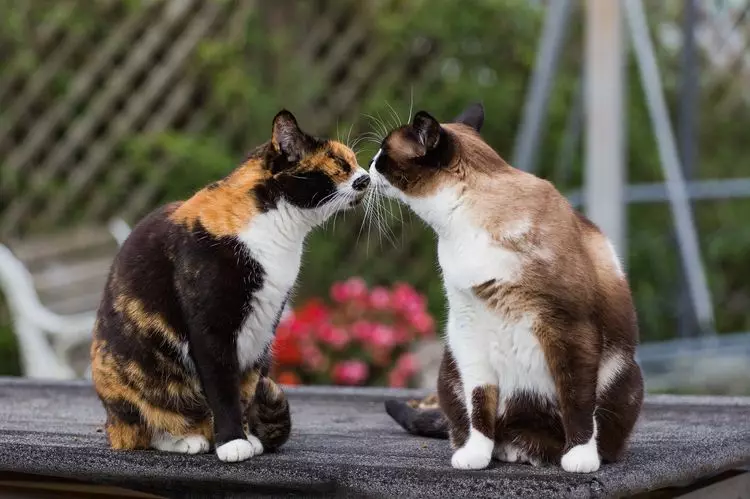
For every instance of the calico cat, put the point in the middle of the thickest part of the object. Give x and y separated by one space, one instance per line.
181 347
539 362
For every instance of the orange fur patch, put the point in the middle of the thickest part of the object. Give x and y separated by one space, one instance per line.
127 436
112 387
144 321
226 208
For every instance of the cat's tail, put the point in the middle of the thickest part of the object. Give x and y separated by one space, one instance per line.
419 417
268 416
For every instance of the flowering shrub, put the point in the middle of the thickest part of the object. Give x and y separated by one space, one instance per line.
360 337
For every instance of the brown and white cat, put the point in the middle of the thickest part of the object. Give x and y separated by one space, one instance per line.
541 336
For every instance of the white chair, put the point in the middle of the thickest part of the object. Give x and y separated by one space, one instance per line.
53 285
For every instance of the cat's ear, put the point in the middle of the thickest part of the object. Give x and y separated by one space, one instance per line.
427 129
287 138
472 116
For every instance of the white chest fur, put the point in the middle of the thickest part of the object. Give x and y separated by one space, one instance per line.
510 347
468 258
277 246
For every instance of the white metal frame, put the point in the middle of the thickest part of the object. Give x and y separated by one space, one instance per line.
44 337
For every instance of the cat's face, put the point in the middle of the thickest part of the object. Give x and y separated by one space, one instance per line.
296 176
417 160
311 173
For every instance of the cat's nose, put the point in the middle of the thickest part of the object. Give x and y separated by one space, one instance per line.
361 183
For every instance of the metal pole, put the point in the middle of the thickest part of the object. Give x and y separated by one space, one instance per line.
572 137
670 161
604 164
686 321
535 106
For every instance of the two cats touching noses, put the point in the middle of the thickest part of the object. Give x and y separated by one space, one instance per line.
538 365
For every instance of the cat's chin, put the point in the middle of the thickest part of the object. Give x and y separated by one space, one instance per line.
356 201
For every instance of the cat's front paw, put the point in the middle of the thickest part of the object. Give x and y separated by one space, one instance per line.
470 458
239 449
581 459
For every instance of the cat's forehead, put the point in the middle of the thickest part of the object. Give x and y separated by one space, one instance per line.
402 143
342 151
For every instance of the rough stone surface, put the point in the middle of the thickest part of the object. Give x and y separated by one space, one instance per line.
344 444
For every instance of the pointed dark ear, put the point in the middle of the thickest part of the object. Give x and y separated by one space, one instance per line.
427 129
472 116
287 137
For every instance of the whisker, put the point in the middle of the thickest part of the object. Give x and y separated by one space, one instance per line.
381 128
349 134
385 125
395 115
411 101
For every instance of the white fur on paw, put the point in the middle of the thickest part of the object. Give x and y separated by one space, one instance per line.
237 450
257 445
190 444
470 458
581 459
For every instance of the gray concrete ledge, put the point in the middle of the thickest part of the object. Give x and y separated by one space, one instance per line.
344 444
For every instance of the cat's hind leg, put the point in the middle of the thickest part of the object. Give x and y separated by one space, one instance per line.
572 350
618 406
124 428
175 433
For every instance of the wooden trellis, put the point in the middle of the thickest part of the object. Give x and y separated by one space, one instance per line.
58 144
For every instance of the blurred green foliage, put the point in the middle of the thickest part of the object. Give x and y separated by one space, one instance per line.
450 54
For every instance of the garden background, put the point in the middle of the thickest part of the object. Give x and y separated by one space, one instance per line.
110 108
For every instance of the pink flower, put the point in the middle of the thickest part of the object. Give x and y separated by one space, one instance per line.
334 336
380 298
402 334
362 331
312 312
356 288
339 292
313 358
396 379
299 329
383 336
407 364
350 372
353 288
406 299
422 322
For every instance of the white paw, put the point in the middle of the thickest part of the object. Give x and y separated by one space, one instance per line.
239 450
581 459
470 458
190 444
